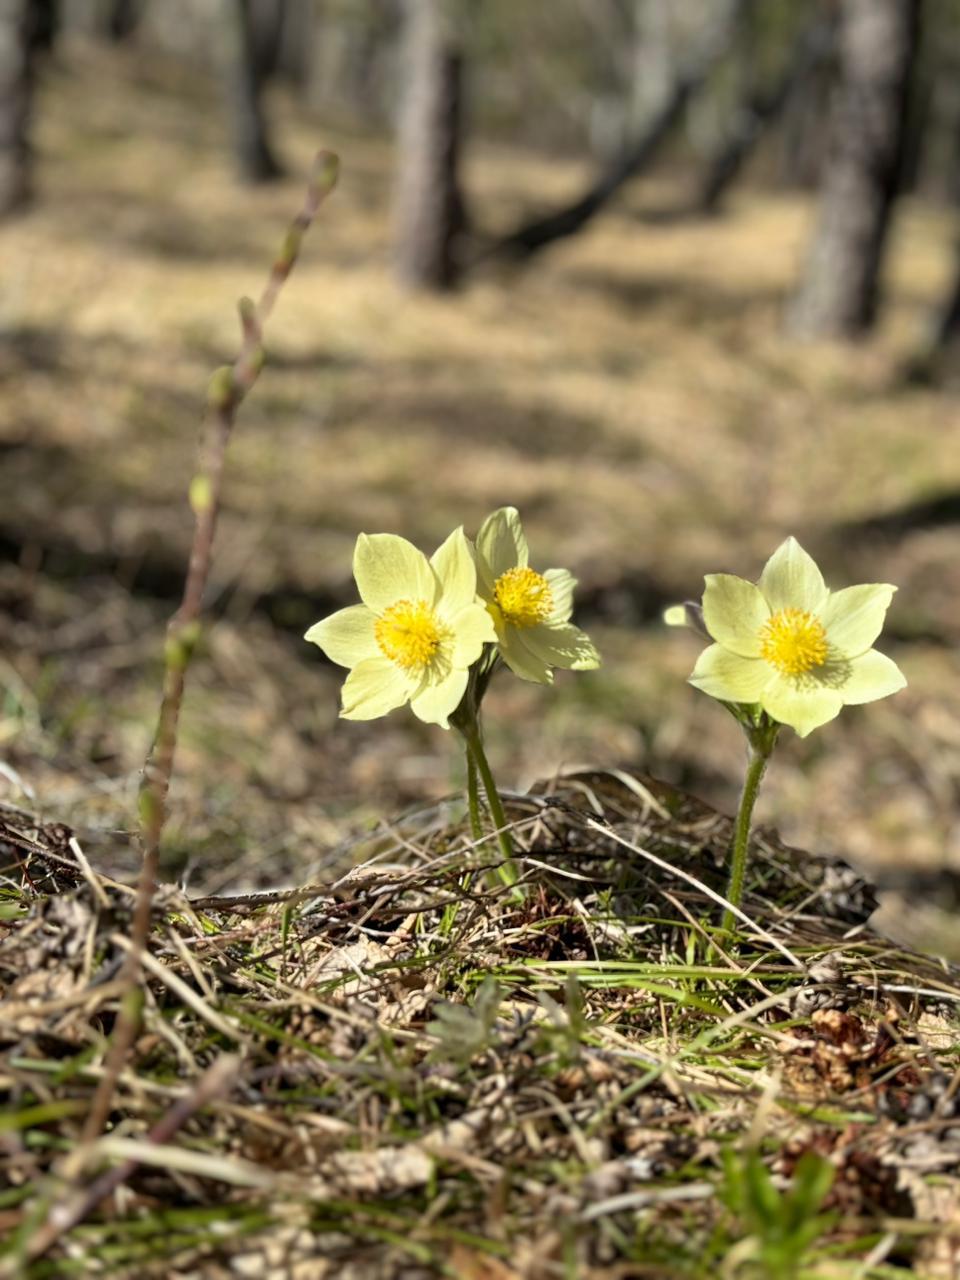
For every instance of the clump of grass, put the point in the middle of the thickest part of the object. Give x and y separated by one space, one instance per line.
412 1065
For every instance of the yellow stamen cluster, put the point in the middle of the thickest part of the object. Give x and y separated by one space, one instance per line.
793 641
523 596
409 634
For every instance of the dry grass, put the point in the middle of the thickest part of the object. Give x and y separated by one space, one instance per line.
408 1072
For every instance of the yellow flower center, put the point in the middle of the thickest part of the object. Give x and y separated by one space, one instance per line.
793 641
523 597
409 634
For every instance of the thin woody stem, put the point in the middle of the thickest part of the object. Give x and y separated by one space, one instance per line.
227 389
216 1081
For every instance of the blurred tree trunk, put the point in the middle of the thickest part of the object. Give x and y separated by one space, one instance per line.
351 58
44 25
245 74
804 128
122 17
838 291
761 109
428 202
938 359
948 328
295 43
267 18
366 61
531 237
18 50
653 64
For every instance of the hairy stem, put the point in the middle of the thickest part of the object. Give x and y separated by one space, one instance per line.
756 766
473 798
475 751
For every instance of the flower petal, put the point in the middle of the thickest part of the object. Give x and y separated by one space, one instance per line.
500 546
435 703
729 676
791 580
562 583
872 675
388 568
689 614
853 617
561 646
803 707
519 658
454 565
472 629
373 688
734 610
347 636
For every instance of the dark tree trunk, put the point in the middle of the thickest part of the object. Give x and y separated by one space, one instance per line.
937 358
267 19
123 17
536 235
428 202
253 154
18 51
805 120
44 20
296 36
838 291
763 109
948 328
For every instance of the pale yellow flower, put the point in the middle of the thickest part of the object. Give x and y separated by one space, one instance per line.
790 645
415 635
531 611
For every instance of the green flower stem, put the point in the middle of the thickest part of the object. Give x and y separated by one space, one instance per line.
473 797
477 757
761 742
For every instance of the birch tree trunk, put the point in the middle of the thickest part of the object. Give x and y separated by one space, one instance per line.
17 58
245 74
428 208
838 292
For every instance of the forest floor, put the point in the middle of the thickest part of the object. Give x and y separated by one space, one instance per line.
634 395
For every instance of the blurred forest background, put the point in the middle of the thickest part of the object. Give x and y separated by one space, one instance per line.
675 277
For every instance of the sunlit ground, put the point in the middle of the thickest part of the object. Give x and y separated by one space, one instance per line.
631 392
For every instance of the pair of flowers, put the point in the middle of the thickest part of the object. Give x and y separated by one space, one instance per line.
425 624
786 646
785 650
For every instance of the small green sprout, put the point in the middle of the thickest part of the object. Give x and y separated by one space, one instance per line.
462 1030
780 1226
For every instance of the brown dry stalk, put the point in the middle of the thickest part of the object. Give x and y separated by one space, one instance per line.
228 387
216 1081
